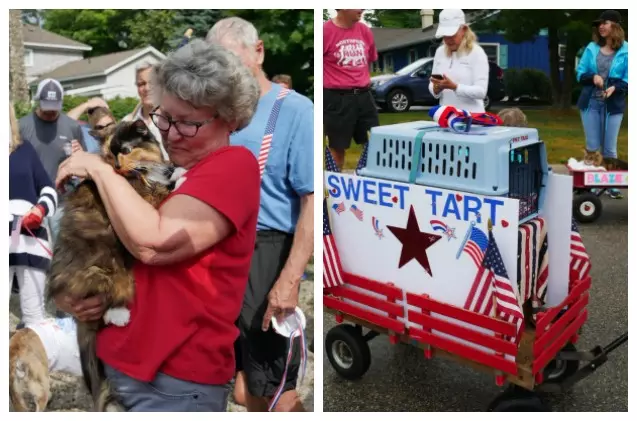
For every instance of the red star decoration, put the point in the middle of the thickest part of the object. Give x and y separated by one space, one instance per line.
415 242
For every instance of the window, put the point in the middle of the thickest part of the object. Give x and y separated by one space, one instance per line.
28 58
561 52
388 63
413 55
492 51
432 49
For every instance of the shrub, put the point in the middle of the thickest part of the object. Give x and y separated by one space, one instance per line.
532 82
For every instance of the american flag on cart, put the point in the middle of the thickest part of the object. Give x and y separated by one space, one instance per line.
492 293
332 269
533 262
580 265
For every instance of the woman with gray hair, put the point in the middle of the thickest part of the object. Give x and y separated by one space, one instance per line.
193 253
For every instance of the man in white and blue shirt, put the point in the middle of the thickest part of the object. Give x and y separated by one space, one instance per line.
284 230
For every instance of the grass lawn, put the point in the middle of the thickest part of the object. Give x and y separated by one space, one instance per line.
561 131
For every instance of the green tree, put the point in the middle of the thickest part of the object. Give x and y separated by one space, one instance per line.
154 27
394 18
288 36
106 30
200 21
32 16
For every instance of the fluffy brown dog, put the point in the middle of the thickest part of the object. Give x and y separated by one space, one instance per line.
88 258
29 383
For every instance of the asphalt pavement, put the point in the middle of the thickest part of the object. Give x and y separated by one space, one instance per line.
401 379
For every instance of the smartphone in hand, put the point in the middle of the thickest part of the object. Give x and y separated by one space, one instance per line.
437 77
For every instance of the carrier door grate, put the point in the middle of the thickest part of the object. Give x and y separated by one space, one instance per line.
525 178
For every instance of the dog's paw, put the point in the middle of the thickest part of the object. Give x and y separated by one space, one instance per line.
119 316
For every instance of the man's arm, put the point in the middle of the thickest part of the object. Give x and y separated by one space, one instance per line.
303 243
284 295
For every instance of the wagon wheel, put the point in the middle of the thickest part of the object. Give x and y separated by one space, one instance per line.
517 399
587 207
348 351
558 370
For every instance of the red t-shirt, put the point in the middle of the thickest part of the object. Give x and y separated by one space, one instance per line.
347 54
183 315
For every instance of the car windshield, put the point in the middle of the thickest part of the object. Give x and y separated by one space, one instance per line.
413 66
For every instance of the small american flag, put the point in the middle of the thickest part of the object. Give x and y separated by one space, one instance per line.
532 271
476 245
362 162
339 207
266 143
332 269
492 281
357 212
330 164
580 262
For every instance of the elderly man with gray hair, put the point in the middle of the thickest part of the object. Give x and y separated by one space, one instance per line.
192 254
281 135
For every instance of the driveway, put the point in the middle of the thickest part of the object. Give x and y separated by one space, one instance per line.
400 379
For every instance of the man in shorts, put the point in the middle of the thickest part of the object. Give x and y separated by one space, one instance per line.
349 110
284 119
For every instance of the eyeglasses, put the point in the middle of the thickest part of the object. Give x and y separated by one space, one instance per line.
100 127
184 128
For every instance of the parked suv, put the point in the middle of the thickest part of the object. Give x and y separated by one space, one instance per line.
410 86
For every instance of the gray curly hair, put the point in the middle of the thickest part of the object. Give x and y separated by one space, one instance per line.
207 75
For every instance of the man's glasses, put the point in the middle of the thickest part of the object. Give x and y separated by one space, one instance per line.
184 128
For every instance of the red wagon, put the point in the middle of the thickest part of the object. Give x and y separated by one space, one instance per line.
589 185
545 359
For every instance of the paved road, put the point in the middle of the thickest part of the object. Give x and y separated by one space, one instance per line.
400 379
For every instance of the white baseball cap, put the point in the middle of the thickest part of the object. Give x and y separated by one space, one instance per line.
449 21
50 95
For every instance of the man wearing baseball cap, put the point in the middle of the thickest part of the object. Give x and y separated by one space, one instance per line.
49 130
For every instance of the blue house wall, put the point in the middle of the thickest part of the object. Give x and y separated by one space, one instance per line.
529 54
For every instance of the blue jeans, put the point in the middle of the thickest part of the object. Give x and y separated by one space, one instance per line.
601 130
166 394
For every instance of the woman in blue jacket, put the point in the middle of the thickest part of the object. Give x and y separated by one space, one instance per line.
603 72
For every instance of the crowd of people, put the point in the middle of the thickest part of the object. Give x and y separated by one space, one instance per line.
219 259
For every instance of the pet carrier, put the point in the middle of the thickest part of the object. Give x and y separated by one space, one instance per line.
492 161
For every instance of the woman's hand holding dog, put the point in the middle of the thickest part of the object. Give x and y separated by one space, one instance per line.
85 310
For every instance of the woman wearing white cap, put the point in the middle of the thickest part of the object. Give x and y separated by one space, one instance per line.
460 74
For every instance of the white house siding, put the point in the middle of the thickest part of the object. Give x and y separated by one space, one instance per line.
122 81
46 60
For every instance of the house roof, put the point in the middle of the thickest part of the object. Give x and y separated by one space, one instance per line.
98 66
392 38
34 36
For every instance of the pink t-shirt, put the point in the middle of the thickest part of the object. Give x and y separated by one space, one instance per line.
347 54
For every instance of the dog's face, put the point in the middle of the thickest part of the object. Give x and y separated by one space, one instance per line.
132 150
593 158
